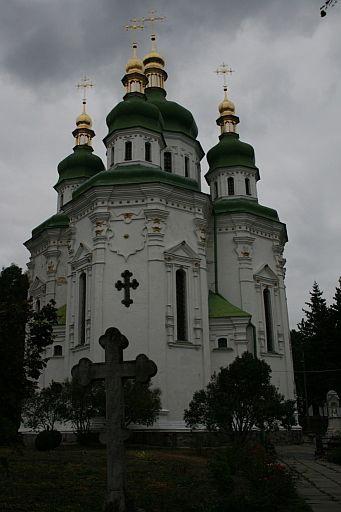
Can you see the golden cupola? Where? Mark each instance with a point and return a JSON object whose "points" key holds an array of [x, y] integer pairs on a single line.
{"points": [[83, 132], [228, 119], [134, 80], [154, 65]]}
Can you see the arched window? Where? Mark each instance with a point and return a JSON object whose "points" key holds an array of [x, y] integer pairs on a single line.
{"points": [[112, 155], [148, 151], [57, 350], [167, 161], [222, 342], [230, 186], [181, 313], [247, 187], [268, 320], [61, 199], [186, 166], [38, 305], [128, 150], [82, 308]]}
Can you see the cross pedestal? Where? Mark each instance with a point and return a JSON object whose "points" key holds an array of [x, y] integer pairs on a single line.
{"points": [[113, 371]]}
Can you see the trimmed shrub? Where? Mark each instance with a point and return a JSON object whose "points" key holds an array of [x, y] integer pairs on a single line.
{"points": [[334, 455], [48, 440]]}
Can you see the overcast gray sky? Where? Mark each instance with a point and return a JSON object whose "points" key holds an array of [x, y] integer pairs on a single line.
{"points": [[286, 89]]}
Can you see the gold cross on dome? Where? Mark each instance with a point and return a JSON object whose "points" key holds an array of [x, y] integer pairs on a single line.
{"points": [[85, 83], [224, 70], [152, 18]]}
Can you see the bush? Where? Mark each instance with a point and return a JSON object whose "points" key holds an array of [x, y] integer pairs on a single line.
{"points": [[248, 479], [334, 455], [48, 440]]}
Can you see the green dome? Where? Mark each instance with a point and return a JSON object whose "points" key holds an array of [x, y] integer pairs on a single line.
{"points": [[133, 112], [80, 164], [175, 117], [59, 220], [231, 152]]}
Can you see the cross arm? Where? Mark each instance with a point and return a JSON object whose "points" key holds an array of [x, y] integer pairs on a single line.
{"points": [[86, 371]]}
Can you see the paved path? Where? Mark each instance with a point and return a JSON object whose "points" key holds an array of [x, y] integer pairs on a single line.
{"points": [[319, 481]]}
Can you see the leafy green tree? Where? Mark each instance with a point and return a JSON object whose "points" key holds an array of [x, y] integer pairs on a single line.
{"points": [[24, 334], [238, 398], [142, 404], [82, 404], [14, 313], [44, 408]]}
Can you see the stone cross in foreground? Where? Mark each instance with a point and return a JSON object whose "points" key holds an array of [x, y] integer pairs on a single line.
{"points": [[113, 371]]}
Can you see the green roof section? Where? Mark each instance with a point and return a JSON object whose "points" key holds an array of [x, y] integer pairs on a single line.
{"points": [[175, 117], [241, 205], [60, 220], [61, 315], [219, 307], [81, 164], [134, 112], [135, 174], [231, 152]]}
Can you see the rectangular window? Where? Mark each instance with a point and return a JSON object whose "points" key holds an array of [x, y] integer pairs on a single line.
{"points": [[128, 150], [230, 186], [247, 187], [167, 161], [112, 155], [268, 320], [186, 166], [148, 151], [181, 309]]}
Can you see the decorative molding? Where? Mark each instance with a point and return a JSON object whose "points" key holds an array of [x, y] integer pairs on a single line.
{"points": [[82, 258], [266, 275], [182, 252], [127, 233], [37, 288], [244, 247]]}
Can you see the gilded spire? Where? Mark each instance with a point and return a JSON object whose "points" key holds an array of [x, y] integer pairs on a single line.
{"points": [[227, 120], [83, 133], [134, 80], [153, 62]]}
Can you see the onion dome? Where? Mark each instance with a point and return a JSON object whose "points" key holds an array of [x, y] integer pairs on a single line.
{"points": [[81, 164], [133, 112], [231, 152], [84, 121], [226, 107], [134, 80], [175, 117]]}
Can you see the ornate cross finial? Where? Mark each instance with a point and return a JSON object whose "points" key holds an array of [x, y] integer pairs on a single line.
{"points": [[151, 19], [85, 83], [224, 70], [135, 24]]}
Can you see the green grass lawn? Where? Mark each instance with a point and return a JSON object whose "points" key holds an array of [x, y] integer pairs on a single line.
{"points": [[72, 479]]}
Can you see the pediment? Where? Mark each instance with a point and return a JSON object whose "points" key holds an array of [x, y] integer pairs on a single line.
{"points": [[83, 255], [37, 287], [266, 274], [182, 251]]}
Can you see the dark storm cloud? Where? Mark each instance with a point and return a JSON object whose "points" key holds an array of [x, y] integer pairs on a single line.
{"points": [[288, 67]]}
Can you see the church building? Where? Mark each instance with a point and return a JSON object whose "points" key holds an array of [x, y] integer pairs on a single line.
{"points": [[192, 279]]}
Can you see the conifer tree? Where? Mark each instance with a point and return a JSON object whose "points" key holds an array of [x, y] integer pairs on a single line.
{"points": [[311, 345]]}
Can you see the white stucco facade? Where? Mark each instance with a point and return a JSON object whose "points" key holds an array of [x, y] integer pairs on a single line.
{"points": [[231, 265]]}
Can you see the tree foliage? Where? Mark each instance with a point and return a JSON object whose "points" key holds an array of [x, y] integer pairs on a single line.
{"points": [[23, 336], [44, 408], [324, 8], [238, 398], [142, 404]]}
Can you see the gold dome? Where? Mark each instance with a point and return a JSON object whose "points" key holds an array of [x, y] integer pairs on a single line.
{"points": [[134, 64], [84, 120], [226, 107], [153, 59]]}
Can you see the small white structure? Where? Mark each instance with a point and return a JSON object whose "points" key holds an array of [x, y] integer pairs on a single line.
{"points": [[208, 268], [334, 414]]}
